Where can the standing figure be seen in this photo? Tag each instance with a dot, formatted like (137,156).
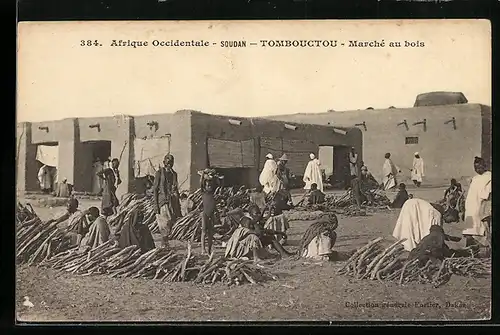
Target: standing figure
(389,171)
(109,201)
(209,181)
(166,197)
(283,173)
(417,171)
(268,178)
(478,206)
(45,179)
(353,163)
(115,164)
(96,181)
(312,174)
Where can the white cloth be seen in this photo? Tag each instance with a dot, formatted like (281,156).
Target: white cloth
(312,175)
(48,154)
(45,177)
(417,171)
(319,247)
(389,171)
(353,163)
(414,222)
(268,177)
(479,191)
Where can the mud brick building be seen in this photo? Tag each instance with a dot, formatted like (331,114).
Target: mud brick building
(447,136)
(235,146)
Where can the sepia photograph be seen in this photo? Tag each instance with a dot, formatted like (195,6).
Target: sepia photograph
(333,170)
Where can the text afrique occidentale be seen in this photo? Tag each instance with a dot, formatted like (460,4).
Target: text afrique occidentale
(271,43)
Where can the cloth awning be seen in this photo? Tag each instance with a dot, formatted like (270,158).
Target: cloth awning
(48,155)
(149,154)
(231,154)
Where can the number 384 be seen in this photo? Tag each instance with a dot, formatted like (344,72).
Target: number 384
(89,43)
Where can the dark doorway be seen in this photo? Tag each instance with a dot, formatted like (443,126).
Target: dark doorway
(45,154)
(90,158)
(341,174)
(235,176)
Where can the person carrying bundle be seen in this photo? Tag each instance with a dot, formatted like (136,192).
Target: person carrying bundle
(209,181)
(319,239)
(166,197)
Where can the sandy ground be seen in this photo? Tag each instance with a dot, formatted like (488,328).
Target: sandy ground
(304,291)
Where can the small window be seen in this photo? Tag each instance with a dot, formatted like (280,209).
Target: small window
(411,140)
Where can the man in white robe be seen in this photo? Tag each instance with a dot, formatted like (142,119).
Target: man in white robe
(414,222)
(45,179)
(417,171)
(476,204)
(353,163)
(268,177)
(389,171)
(312,174)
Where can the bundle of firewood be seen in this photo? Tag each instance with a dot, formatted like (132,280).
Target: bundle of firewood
(160,263)
(36,241)
(375,262)
(186,227)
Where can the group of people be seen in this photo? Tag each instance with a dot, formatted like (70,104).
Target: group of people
(263,224)
(418,217)
(389,170)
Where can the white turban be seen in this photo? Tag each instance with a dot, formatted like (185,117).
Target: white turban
(416,153)
(312,156)
(269,156)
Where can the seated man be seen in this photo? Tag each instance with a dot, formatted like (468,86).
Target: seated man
(401,197)
(63,189)
(432,247)
(79,229)
(258,197)
(135,232)
(316,197)
(361,187)
(319,238)
(277,220)
(250,240)
(98,232)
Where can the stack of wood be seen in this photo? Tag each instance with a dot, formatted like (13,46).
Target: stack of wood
(375,262)
(159,264)
(187,228)
(36,241)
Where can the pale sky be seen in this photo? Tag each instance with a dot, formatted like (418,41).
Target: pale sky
(59,79)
